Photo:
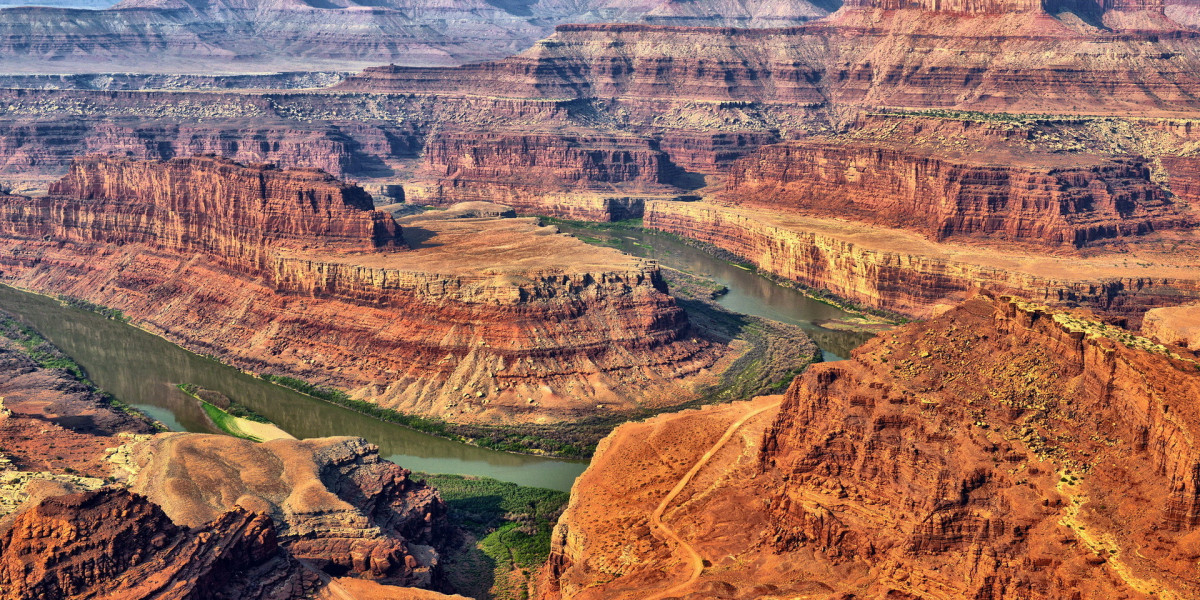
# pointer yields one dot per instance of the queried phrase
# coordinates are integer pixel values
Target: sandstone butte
(1000, 450)
(293, 272)
(194, 525)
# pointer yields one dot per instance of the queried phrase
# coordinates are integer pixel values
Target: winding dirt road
(656, 517)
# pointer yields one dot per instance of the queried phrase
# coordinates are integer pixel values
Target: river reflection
(749, 293)
(142, 370)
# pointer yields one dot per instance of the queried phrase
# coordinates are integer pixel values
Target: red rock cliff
(589, 176)
(1001, 450)
(976, 437)
(515, 321)
(212, 205)
(114, 544)
(947, 198)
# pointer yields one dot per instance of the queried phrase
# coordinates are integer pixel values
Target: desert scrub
(511, 525)
(576, 440)
(104, 311)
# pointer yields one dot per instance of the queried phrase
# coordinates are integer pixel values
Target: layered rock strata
(220, 516)
(572, 176)
(1054, 455)
(1002, 450)
(238, 36)
(1029, 62)
(988, 198)
(907, 273)
(114, 544)
(517, 322)
(1176, 325)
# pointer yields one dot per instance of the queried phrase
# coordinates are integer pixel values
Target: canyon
(1013, 182)
(904, 272)
(94, 502)
(183, 36)
(1002, 449)
(477, 320)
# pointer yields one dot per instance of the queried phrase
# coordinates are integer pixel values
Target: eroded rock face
(164, 36)
(336, 504)
(1002, 61)
(907, 273)
(945, 198)
(1178, 325)
(214, 205)
(1005, 442)
(516, 322)
(114, 544)
(70, 529)
(543, 173)
(1001, 450)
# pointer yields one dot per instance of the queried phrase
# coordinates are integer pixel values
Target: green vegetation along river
(143, 370)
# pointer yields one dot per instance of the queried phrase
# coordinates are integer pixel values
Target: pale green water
(749, 293)
(142, 370)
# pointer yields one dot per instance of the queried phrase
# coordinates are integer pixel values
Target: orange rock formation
(1000, 450)
(1040, 200)
(483, 320)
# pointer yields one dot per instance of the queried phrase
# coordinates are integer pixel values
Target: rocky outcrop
(336, 504)
(570, 176)
(515, 321)
(1000, 450)
(114, 544)
(210, 205)
(1176, 325)
(1011, 486)
(1183, 177)
(986, 198)
(904, 272)
(711, 153)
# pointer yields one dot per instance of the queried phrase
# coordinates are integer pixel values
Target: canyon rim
(871, 300)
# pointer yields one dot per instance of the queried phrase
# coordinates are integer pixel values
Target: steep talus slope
(1000, 450)
(1008, 449)
(290, 272)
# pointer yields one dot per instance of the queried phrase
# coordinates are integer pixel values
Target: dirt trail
(1105, 544)
(656, 517)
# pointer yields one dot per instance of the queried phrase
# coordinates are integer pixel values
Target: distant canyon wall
(1083, 200)
(908, 279)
